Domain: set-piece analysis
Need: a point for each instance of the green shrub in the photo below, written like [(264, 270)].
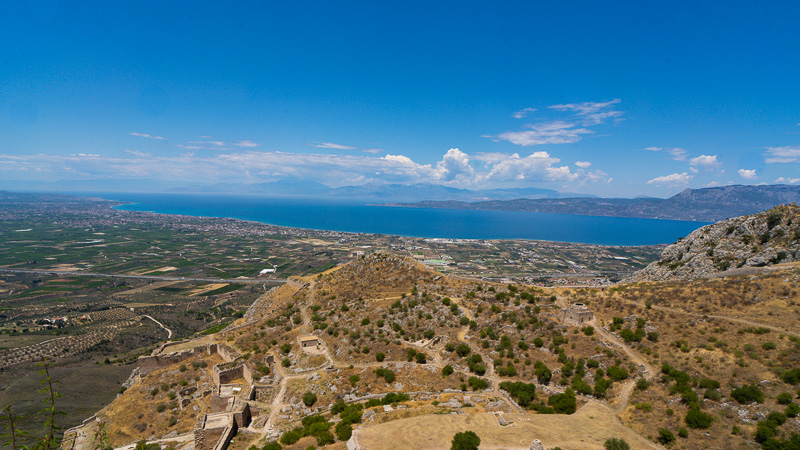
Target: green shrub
[(698, 419), (309, 398), (616, 444), (563, 403), (748, 393), (466, 440), (785, 398), (665, 436)]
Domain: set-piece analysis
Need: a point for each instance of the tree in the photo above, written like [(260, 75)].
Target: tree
[(467, 440), (563, 403), (309, 398), (447, 370)]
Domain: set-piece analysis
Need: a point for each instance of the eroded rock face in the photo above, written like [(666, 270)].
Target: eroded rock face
[(757, 240)]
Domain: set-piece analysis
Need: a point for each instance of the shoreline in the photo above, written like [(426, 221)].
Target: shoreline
[(119, 204)]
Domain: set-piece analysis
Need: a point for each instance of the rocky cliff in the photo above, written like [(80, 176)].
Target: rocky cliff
[(757, 240)]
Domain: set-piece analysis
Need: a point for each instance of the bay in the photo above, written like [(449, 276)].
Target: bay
[(361, 217)]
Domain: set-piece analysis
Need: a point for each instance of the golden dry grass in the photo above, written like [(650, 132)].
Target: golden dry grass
[(588, 428)]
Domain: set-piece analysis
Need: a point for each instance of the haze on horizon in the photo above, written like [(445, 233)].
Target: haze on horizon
[(611, 99)]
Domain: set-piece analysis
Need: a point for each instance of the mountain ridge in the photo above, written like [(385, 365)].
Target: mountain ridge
[(701, 205)]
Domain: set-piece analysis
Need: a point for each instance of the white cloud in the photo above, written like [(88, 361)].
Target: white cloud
[(556, 132), (583, 164), (246, 144), (654, 149), (678, 154), (784, 180), (674, 179), (709, 161), (586, 114), (454, 165), (148, 136), (535, 167), (788, 154), (373, 150), (748, 174), (593, 113), (522, 113), (331, 145), (455, 168)]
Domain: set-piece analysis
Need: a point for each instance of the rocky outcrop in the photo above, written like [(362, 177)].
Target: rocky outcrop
[(757, 240)]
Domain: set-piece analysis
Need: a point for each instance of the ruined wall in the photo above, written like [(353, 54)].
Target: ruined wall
[(228, 354), (148, 364), (207, 439), (242, 418)]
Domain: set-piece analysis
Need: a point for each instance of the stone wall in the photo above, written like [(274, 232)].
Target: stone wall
[(149, 364), (225, 376)]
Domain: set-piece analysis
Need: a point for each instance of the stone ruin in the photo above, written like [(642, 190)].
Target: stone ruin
[(576, 314)]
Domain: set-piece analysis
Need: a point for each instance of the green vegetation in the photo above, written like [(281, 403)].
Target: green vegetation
[(467, 440)]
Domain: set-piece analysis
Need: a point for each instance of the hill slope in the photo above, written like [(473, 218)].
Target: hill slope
[(757, 240), (702, 205)]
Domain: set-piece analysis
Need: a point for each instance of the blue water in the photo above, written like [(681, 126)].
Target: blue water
[(353, 216)]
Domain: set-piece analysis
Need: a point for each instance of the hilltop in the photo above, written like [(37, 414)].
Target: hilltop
[(702, 205), (382, 347), (757, 240)]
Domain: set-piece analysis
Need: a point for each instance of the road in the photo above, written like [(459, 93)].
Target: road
[(147, 277)]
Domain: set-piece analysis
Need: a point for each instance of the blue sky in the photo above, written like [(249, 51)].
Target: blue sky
[(607, 98)]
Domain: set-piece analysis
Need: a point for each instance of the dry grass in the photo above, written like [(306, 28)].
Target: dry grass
[(586, 429)]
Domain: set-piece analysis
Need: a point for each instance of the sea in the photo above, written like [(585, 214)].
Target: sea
[(362, 217)]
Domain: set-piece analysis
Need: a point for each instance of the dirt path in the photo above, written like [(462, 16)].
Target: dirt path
[(169, 332)]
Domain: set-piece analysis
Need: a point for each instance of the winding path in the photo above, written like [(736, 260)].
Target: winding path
[(169, 332)]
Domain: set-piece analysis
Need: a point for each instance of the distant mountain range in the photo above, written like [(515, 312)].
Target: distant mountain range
[(293, 188), (703, 205)]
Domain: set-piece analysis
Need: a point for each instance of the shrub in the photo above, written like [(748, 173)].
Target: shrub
[(324, 438), (748, 393), (683, 432), (271, 446), (563, 403), (712, 394), (343, 431), (380, 356), (447, 370), (791, 376), (616, 444), (698, 419), (477, 384), (665, 436), (785, 398), (523, 393), (338, 407), (462, 350), (309, 398), (387, 375), (467, 440), (291, 437)]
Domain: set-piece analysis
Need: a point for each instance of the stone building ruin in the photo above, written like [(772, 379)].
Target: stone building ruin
[(576, 314)]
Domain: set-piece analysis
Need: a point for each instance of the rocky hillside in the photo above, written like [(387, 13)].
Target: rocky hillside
[(757, 240)]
